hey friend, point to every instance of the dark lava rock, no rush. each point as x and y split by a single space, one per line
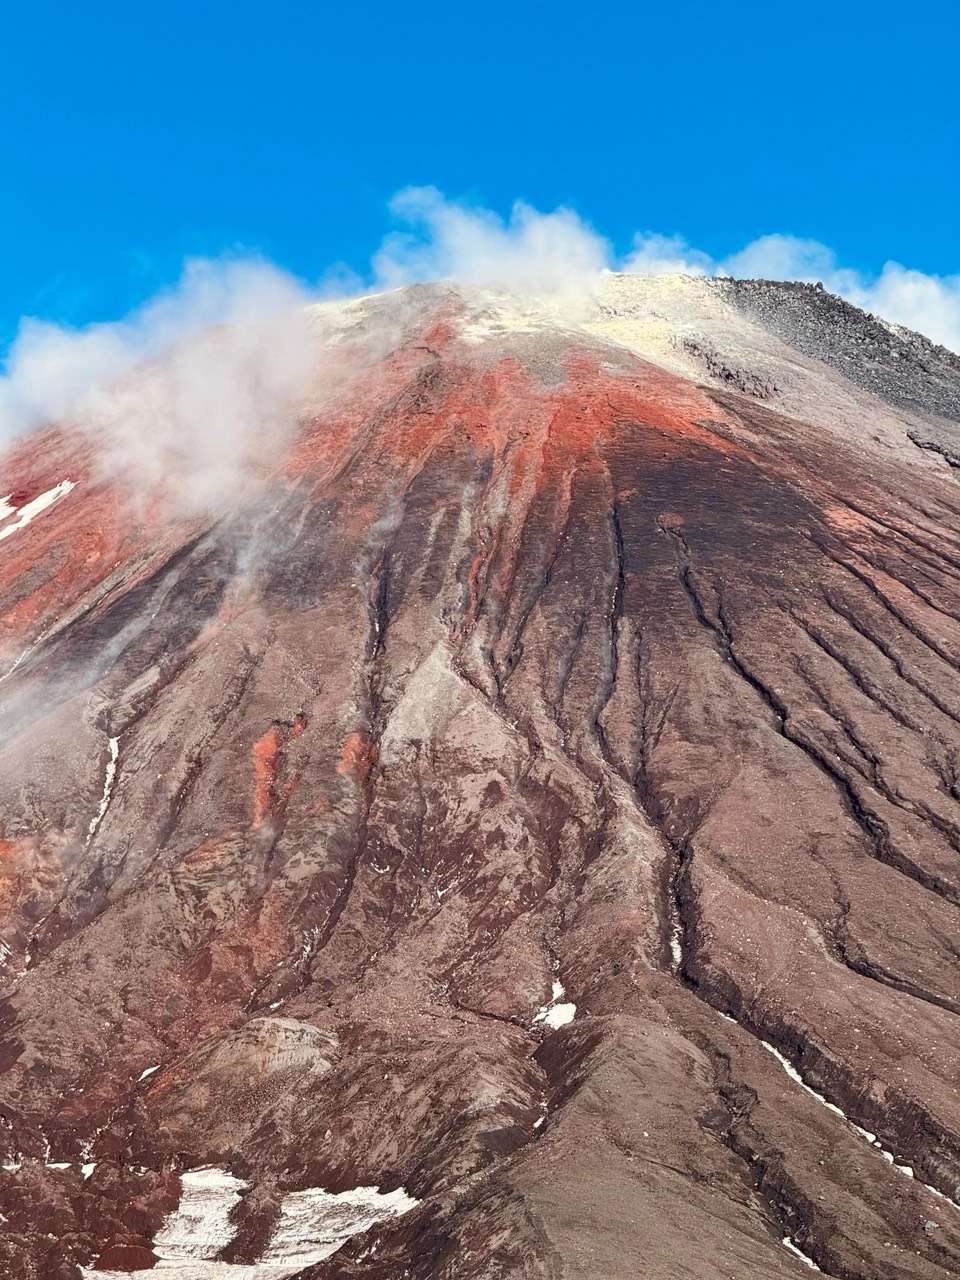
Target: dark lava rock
904 368
126 1254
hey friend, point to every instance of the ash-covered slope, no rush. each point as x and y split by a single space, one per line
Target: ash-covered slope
903 368
538 791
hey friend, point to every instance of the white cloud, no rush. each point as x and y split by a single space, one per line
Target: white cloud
779 258
549 254
656 255
193 414
929 304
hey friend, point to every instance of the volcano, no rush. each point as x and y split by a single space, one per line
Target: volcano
517 834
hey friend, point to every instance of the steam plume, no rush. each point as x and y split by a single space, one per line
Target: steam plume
550 254
195 409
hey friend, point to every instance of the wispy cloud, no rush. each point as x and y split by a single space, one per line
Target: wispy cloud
541 253
657 255
930 304
220 359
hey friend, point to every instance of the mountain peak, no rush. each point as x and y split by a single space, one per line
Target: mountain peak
480 772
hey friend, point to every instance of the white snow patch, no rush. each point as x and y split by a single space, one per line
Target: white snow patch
14 1165
313 1225
108 778
30 509
798 1252
148 1072
5 507
556 1014
309 942
170 1269
795 1075
676 932
200 1226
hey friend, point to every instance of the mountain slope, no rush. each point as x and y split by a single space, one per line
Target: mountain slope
537 790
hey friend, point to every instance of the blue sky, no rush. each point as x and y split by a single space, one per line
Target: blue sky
134 136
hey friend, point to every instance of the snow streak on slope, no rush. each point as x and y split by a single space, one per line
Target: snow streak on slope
33 508
798 1253
108 779
867 1136
197 1270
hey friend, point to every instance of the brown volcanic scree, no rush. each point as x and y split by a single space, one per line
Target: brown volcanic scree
531 801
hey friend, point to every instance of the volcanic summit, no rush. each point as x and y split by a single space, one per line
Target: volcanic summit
514 831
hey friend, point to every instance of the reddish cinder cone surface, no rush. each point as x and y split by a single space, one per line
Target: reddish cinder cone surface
535 788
